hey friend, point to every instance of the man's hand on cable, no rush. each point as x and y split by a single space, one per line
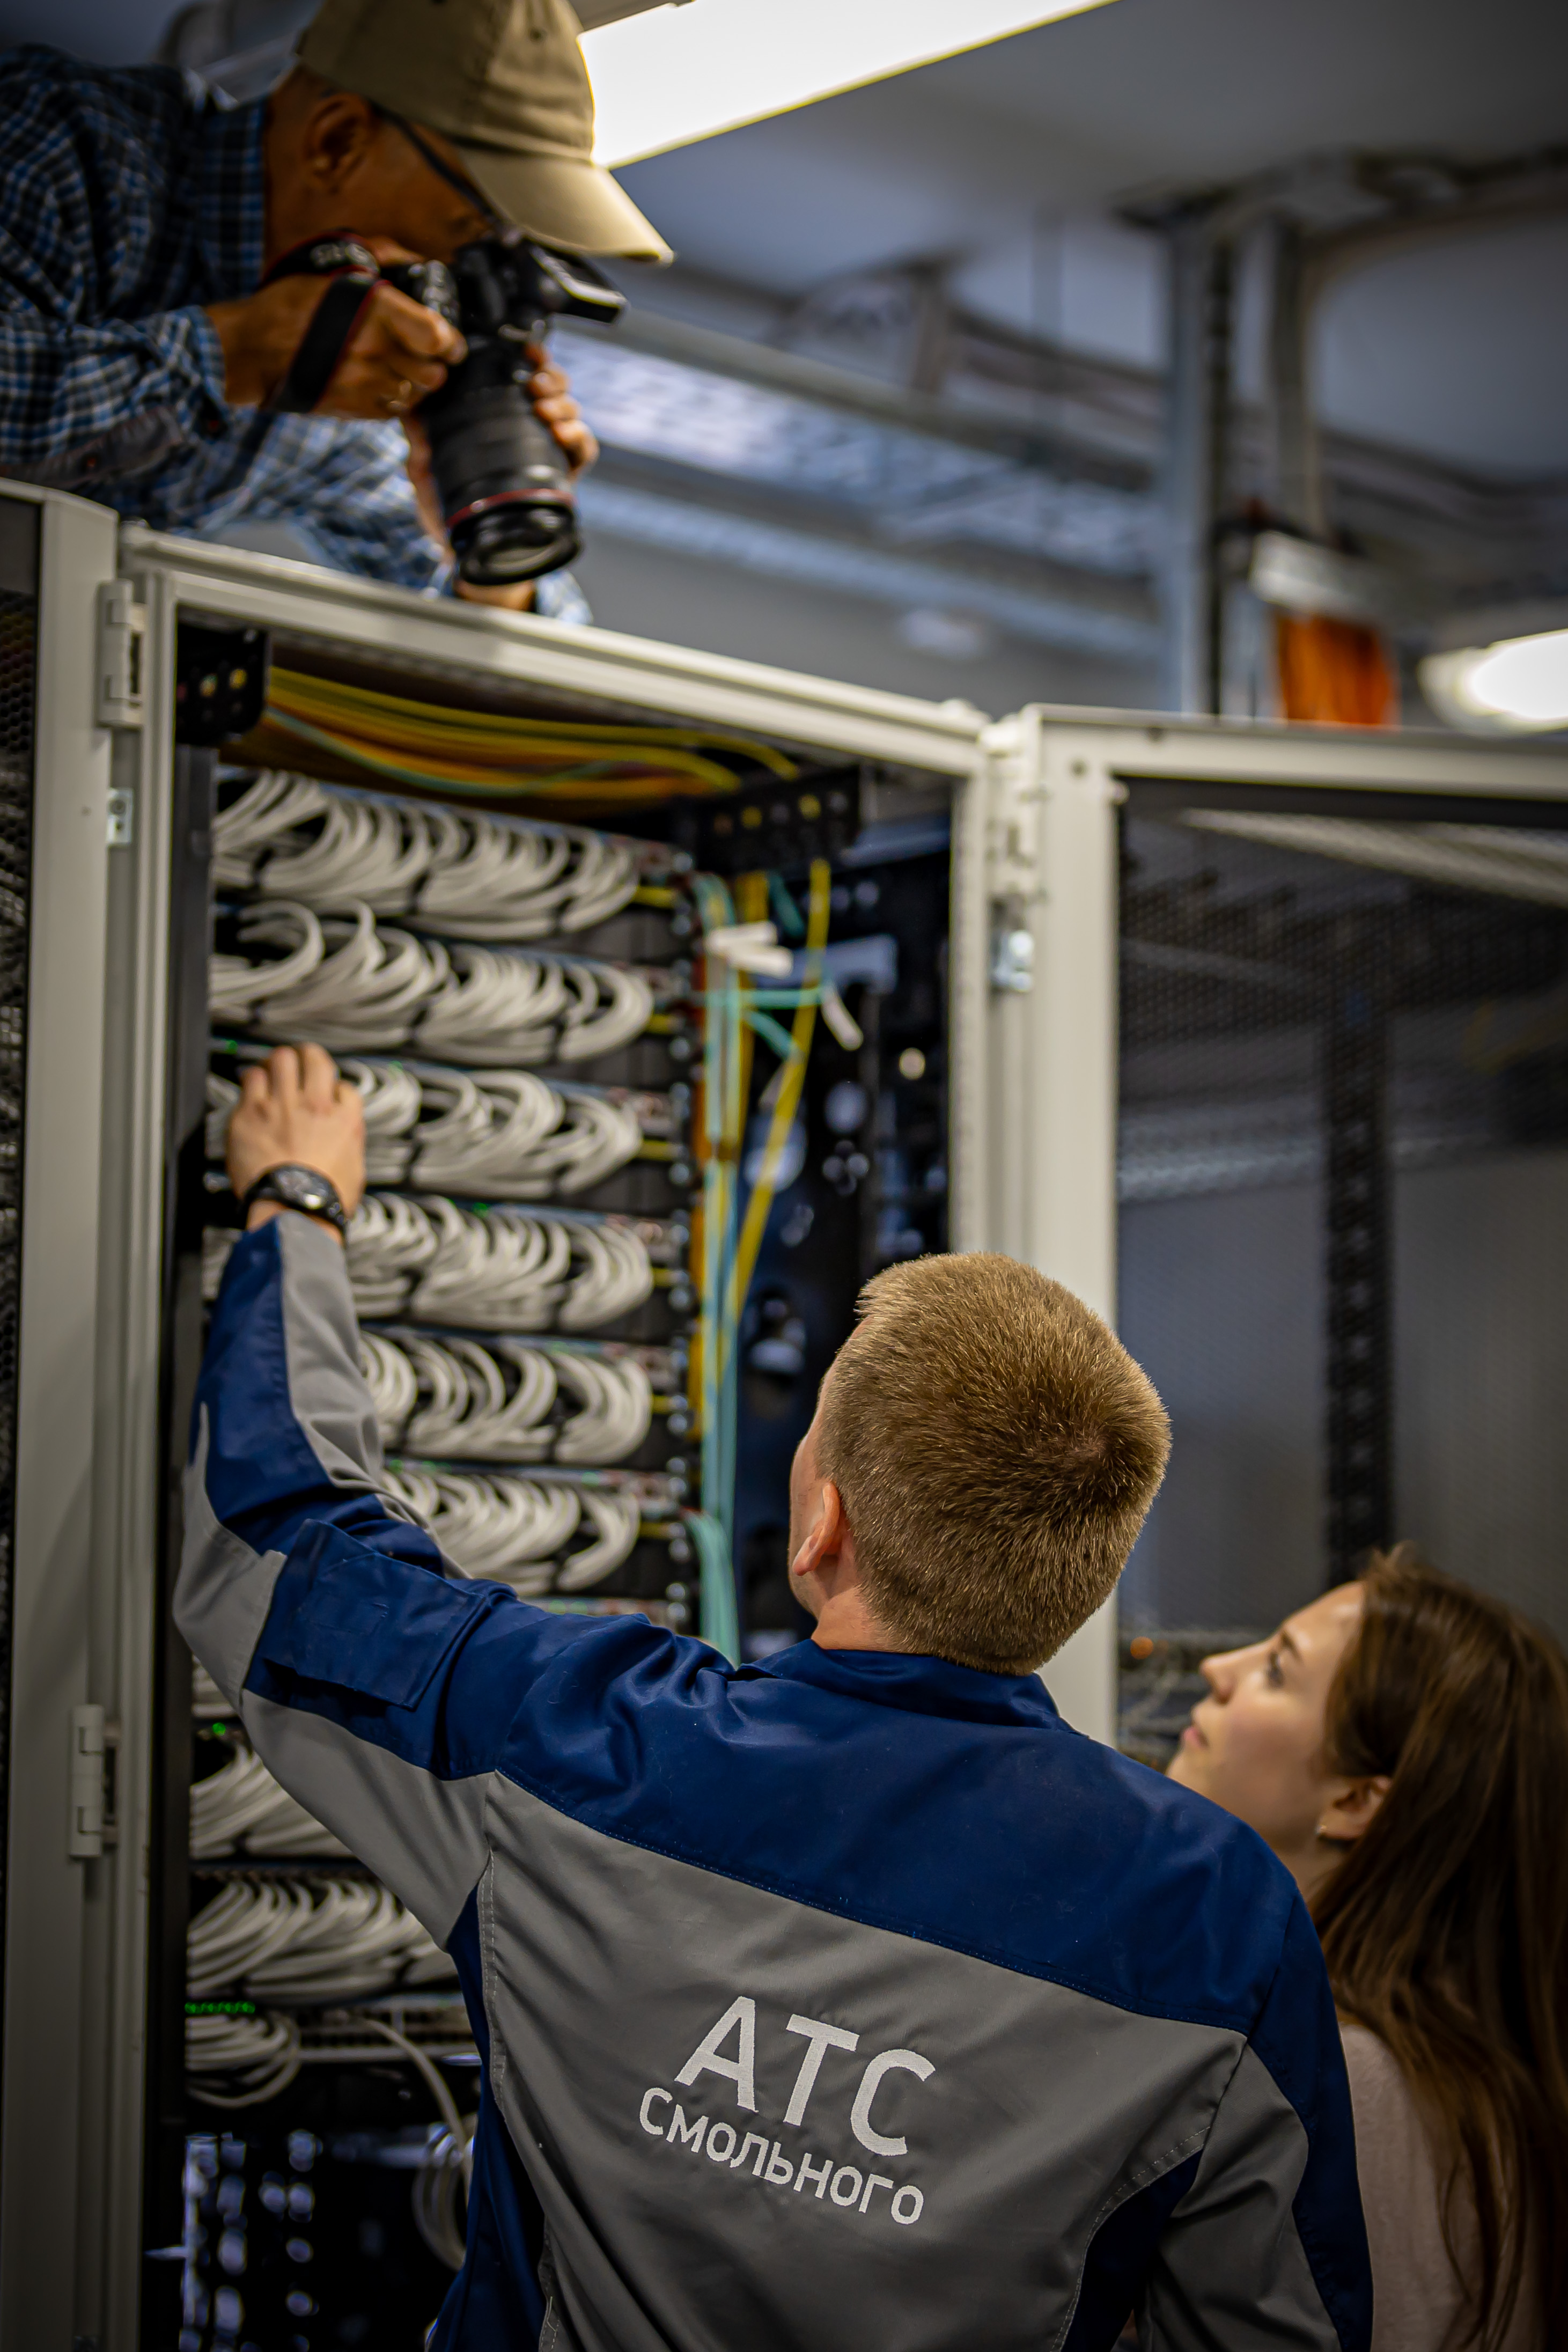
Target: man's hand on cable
553 402
294 1110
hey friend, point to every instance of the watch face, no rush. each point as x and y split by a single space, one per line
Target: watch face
301 1187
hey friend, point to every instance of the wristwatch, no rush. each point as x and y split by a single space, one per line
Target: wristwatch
298 1188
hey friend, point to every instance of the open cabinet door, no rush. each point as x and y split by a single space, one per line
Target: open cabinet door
1034 1060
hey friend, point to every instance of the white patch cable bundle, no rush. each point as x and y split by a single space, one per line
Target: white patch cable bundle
312 1940
497 1135
512 1530
468 874
317 959
496 1270
359 987
460 1399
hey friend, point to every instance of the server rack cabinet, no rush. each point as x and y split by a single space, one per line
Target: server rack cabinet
122 818
1041 1068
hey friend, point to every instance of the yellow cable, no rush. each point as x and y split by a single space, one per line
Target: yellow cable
476 742
790 1083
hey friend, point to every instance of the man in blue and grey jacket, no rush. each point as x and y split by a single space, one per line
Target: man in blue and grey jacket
846 1999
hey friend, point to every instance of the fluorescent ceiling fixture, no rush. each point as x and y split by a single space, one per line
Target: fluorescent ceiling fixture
1518 686
675 74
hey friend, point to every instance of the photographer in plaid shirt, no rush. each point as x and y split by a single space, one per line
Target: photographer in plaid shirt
139 215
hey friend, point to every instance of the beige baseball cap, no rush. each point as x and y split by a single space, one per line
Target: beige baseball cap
505 82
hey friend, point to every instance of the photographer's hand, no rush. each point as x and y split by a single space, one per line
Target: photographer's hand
398 353
551 396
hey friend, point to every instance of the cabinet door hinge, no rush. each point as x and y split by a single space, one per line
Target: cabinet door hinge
121 647
94 1815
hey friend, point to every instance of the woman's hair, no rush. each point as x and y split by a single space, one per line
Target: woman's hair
1445 1928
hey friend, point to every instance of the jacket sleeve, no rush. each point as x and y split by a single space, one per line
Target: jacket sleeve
376 1688
1267 2247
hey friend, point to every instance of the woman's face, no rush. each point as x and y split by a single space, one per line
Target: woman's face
1255 1745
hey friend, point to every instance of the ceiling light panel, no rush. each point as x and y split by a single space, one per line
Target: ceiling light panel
668 76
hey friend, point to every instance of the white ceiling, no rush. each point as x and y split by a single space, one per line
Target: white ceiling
1011 160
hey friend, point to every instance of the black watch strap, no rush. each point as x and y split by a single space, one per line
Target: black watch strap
304 1188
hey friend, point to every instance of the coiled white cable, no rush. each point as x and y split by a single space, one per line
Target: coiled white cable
369 990
392 1097
617 1519
470 874
429 1261
499 1134
490 1402
261 2055
498 1272
594 1136
317 1939
508 1530
241 1808
617 1401
483 1135
347 982
267 813
238 984
506 1270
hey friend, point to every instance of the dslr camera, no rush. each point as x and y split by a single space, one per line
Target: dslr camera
503 479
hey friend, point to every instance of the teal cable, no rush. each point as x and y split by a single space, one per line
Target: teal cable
719 1619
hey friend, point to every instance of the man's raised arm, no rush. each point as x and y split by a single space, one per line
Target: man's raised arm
376 1688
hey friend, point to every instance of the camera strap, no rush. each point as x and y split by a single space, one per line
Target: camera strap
352 273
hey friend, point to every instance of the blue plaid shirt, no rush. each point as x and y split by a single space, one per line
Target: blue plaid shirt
128 202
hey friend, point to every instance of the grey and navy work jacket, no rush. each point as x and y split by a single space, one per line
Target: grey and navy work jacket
848 2000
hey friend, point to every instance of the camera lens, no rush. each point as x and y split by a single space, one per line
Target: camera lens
516 542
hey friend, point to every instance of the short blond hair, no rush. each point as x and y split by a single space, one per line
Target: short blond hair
996 1450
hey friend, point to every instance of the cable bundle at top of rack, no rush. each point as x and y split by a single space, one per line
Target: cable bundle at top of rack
461 872
349 983
562 760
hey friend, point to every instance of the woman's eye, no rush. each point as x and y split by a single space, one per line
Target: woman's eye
1274 1670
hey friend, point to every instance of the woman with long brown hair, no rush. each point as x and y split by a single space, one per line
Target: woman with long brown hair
1403 1746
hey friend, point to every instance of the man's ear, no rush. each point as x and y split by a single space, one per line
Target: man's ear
823 1536
339 132
1350 1813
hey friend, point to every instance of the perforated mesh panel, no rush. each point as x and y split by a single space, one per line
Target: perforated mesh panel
18 662
1344 1183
